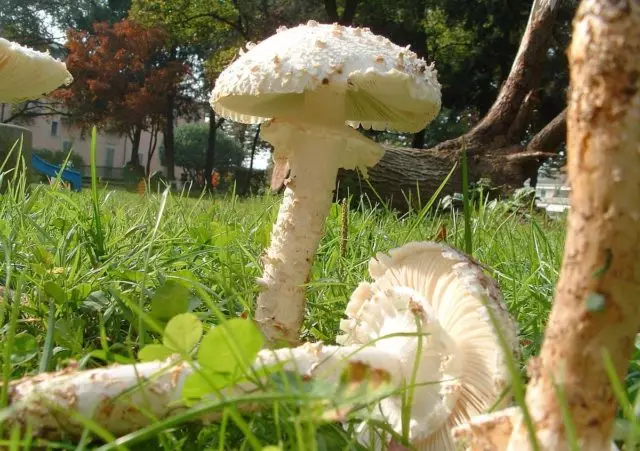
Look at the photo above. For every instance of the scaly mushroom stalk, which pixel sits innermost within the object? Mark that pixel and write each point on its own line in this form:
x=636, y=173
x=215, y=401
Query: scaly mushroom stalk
x=315, y=153
x=126, y=398
x=596, y=310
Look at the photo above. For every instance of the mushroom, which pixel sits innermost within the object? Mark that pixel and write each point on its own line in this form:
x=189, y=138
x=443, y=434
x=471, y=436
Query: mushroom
x=462, y=369
x=434, y=299
x=327, y=79
x=26, y=73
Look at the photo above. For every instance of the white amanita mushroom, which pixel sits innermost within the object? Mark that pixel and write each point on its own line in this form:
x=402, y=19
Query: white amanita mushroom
x=26, y=73
x=433, y=295
x=309, y=84
x=462, y=369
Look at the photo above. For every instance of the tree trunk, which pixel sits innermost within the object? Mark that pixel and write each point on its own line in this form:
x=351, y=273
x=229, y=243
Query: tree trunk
x=493, y=145
x=169, y=153
x=211, y=150
x=135, y=147
x=247, y=186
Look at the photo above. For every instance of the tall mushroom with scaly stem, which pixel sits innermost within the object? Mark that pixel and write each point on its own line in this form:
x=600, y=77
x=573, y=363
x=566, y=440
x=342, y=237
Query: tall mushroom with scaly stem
x=308, y=85
x=596, y=311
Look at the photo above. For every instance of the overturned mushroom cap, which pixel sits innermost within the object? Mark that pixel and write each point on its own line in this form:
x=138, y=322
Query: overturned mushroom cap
x=462, y=368
x=27, y=74
x=385, y=86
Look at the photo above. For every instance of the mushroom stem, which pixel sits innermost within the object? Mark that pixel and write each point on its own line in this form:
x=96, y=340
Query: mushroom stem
x=315, y=153
x=126, y=398
x=597, y=304
x=596, y=311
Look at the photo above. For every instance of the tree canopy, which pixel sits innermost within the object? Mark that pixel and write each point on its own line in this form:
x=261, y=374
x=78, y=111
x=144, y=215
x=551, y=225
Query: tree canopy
x=121, y=75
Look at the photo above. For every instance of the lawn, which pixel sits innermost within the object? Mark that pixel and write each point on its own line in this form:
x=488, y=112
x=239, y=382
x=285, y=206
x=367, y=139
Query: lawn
x=85, y=264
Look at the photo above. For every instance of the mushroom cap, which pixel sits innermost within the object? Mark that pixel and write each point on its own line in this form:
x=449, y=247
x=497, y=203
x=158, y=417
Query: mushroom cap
x=462, y=370
x=27, y=74
x=384, y=86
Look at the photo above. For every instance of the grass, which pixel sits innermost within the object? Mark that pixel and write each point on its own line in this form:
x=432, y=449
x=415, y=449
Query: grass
x=88, y=264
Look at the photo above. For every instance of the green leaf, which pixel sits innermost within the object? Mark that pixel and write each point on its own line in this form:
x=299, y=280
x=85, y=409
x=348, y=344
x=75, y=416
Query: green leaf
x=69, y=332
x=24, y=348
x=230, y=346
x=169, y=300
x=154, y=351
x=202, y=383
x=81, y=291
x=183, y=333
x=56, y=292
x=43, y=255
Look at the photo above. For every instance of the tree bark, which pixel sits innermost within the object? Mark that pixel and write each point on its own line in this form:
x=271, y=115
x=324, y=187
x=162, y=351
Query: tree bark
x=493, y=145
x=597, y=304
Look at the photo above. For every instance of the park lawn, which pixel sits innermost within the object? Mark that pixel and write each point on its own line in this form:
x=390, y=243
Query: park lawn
x=96, y=263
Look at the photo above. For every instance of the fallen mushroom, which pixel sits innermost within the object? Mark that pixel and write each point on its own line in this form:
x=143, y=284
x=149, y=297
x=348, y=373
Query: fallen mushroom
x=596, y=309
x=26, y=73
x=430, y=299
x=307, y=83
x=462, y=370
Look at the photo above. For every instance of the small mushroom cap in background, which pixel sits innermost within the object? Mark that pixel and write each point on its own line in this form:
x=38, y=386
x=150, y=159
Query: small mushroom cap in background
x=385, y=86
x=28, y=74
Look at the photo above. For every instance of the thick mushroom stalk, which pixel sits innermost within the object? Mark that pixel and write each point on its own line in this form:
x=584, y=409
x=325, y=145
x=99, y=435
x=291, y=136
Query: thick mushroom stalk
x=315, y=154
x=125, y=398
x=596, y=310
x=308, y=83
x=27, y=73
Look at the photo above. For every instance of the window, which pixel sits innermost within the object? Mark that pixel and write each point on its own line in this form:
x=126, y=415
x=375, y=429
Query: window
x=109, y=154
x=54, y=128
x=66, y=146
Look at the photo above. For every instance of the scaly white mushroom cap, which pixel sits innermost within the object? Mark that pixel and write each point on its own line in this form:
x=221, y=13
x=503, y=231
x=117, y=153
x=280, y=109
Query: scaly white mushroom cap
x=382, y=85
x=462, y=369
x=26, y=73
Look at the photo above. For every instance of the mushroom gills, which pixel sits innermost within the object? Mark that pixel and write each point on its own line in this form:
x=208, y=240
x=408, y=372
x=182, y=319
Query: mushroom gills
x=461, y=369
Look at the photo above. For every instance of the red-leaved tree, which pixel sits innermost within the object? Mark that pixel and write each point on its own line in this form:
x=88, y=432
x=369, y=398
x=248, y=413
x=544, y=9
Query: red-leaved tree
x=122, y=73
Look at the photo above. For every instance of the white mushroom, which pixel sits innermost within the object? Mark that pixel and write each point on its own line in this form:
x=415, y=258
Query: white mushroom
x=26, y=73
x=462, y=370
x=434, y=299
x=324, y=81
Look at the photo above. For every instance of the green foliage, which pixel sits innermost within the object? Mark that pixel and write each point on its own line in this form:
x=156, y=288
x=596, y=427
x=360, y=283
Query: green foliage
x=191, y=148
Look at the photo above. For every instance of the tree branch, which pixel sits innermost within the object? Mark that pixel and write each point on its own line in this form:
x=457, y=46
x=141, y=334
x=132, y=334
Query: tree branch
x=525, y=71
x=551, y=135
x=332, y=10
